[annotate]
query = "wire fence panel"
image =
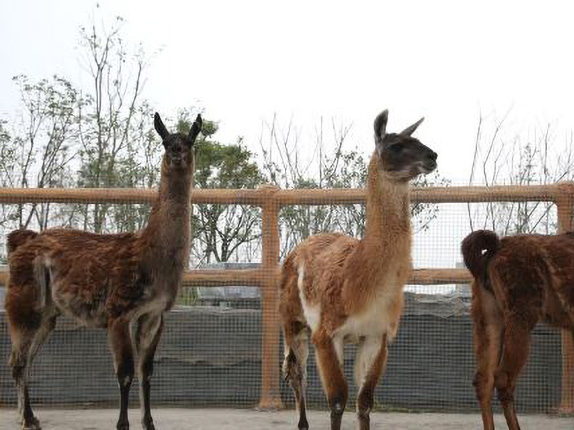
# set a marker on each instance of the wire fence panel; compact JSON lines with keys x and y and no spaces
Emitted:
{"x":222,"y":344}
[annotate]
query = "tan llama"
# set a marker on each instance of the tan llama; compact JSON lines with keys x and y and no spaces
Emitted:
{"x":340,"y":289}
{"x":121,"y":282}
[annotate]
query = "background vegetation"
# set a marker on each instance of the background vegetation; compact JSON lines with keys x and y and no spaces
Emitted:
{"x":101,"y":135}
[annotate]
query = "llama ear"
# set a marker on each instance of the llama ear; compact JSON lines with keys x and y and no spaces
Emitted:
{"x":195,"y":129}
{"x":159,"y":127}
{"x":411,"y":129}
{"x":381,"y":125}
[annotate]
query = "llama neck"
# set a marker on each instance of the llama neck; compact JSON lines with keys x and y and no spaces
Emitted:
{"x":168,"y":230}
{"x":382,"y":260}
{"x":388,"y":224}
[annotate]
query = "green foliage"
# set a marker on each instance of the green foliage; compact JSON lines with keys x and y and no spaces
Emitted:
{"x":102,"y":136}
{"x":223,"y":230}
{"x":225,"y":166}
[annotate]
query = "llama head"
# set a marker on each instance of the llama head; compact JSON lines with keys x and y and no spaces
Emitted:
{"x":401,"y":156}
{"x":178,"y":146}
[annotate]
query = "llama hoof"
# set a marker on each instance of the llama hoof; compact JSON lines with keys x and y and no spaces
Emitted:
{"x":31,"y":424}
{"x":123,"y":426}
{"x":147,"y":423}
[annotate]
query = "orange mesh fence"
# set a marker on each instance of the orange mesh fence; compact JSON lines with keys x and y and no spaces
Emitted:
{"x":222,"y":343}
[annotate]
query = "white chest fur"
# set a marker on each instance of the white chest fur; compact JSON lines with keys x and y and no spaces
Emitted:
{"x":312,"y":312}
{"x":380,"y":316}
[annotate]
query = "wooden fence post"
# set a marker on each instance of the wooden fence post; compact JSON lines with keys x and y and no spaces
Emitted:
{"x":565,"y":203}
{"x":270,"y":375}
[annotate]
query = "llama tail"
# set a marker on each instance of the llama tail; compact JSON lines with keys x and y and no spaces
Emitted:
{"x":477,"y":250}
{"x":18,"y":238}
{"x":15,"y":240}
{"x":288,"y":272}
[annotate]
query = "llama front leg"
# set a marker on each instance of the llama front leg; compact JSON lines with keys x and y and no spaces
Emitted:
{"x":121,"y":347}
{"x":329,"y":359}
{"x":369,"y":366}
{"x":295,"y":366}
{"x":147,"y":338}
{"x":514,"y":356}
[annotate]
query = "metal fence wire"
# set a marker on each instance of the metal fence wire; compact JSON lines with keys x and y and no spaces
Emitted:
{"x":222,"y":345}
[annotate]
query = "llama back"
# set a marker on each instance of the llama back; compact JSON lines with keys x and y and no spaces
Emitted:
{"x":318,"y":252}
{"x":17,"y":238}
{"x":303,"y":261}
{"x":288,"y":285}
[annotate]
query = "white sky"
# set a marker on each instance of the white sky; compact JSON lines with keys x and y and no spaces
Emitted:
{"x":245,"y":60}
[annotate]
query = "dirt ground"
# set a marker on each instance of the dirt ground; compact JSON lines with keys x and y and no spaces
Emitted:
{"x":228,"y":419}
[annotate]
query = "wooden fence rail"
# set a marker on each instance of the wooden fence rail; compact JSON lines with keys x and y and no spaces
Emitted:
{"x":260,"y":196}
{"x":270,"y":199}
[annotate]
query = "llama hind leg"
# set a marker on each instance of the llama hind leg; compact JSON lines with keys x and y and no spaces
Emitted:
{"x":295,"y":366}
{"x":27,"y":338}
{"x":514,"y":356}
{"x":122,"y":350}
{"x":369,"y":366}
{"x":329,"y":359}
{"x":147,"y":338}
{"x":487,"y":339}
{"x":20,"y":366}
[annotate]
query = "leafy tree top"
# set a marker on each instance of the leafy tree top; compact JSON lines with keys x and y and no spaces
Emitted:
{"x":218,"y":165}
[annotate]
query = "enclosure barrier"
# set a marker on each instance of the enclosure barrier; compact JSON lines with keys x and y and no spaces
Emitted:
{"x":270,"y":199}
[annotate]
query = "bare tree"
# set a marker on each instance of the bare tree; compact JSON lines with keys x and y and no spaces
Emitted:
{"x":115,"y":116}
{"x":328,"y":164}
{"x":101,"y":137}
{"x":505,"y":156}
{"x":40,"y":153}
{"x":286,"y":166}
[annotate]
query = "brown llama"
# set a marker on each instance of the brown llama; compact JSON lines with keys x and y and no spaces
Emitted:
{"x":518,"y":281}
{"x":122,"y":282}
{"x":340,"y":289}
